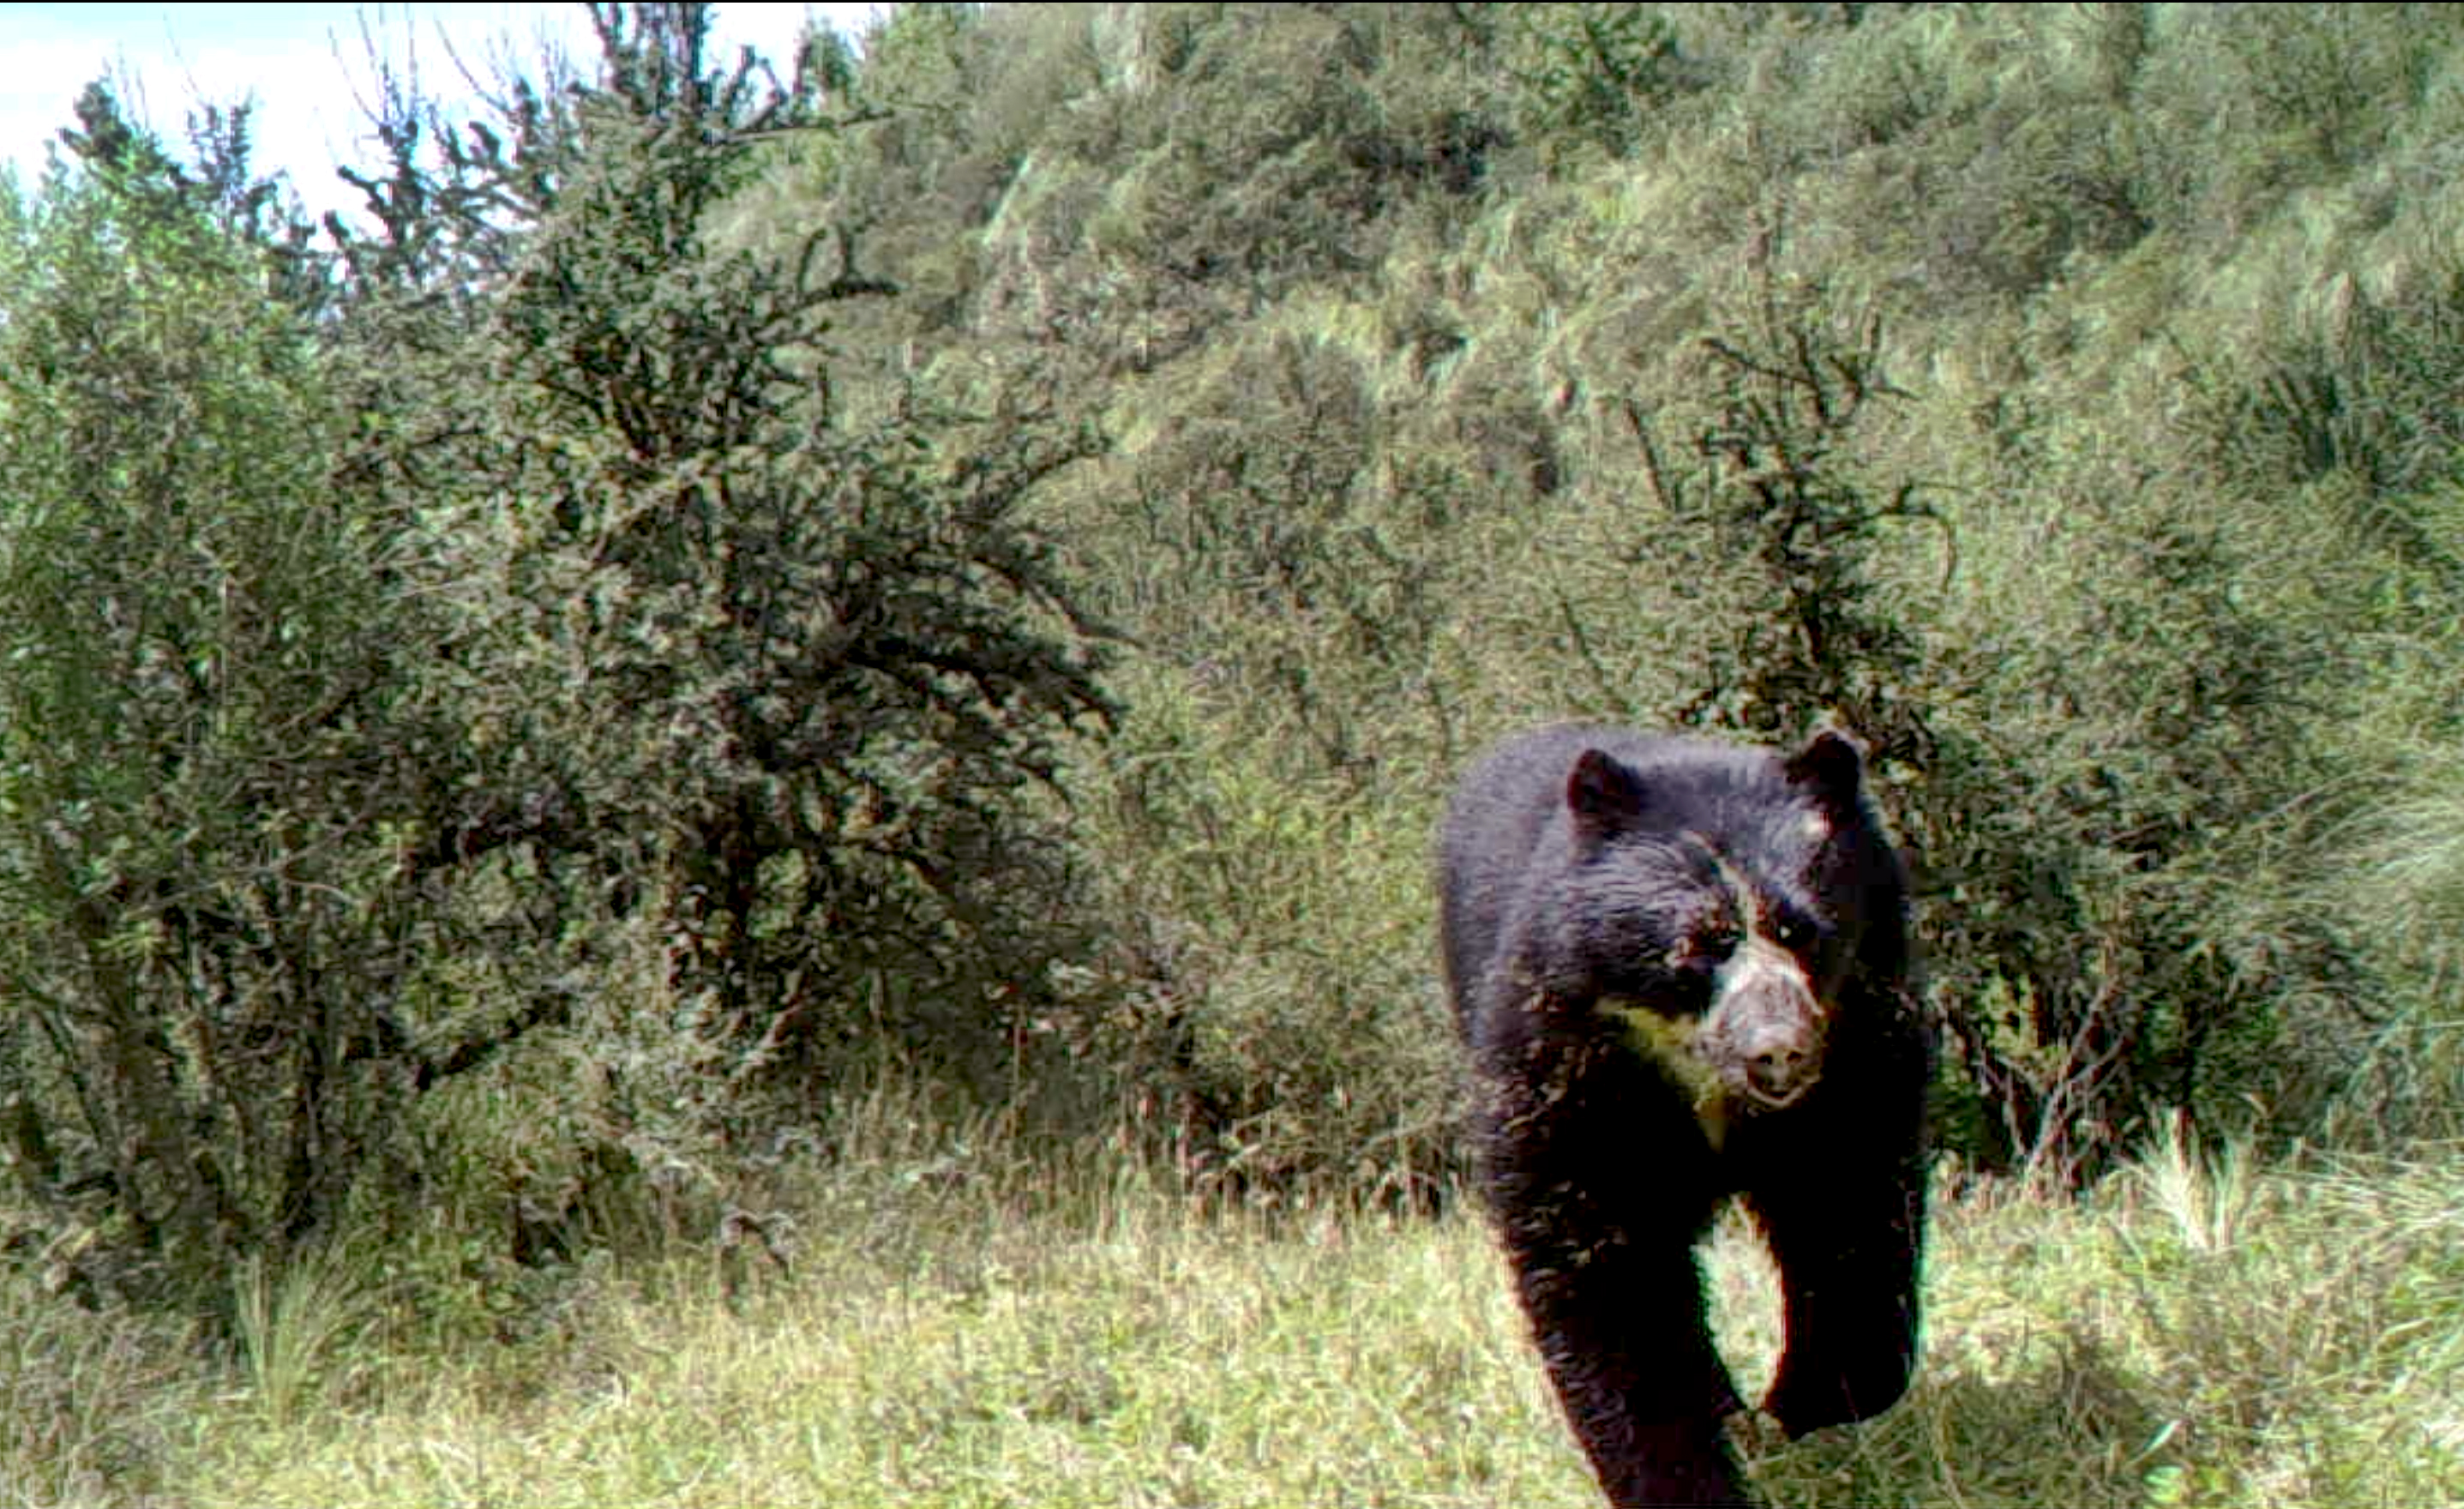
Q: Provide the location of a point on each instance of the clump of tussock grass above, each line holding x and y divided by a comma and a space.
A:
2311, 1348
2203, 1330
293, 1328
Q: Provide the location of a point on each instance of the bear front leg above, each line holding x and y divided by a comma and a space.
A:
1847, 1250
1621, 1326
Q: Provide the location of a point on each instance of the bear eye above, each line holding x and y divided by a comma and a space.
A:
1792, 933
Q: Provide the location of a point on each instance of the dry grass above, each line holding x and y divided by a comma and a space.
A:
1022, 1338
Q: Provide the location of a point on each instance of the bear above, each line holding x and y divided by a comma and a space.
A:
1681, 969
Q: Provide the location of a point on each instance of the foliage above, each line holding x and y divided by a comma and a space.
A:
1590, 73
983, 553
96, 1399
205, 750
713, 489
761, 678
1768, 545
1616, 439
532, 652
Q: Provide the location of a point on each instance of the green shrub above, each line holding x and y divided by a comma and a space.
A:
208, 750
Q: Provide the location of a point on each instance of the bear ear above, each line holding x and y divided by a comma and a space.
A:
1605, 797
1831, 768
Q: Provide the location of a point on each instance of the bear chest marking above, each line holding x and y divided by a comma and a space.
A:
1671, 1045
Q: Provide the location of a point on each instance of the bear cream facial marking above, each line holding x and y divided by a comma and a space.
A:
1744, 902
1763, 1036
1765, 1030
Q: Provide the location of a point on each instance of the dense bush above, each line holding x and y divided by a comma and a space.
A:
769, 679
209, 748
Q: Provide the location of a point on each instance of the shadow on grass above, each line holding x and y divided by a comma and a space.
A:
2061, 1425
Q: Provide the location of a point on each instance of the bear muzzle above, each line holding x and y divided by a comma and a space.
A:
1764, 1035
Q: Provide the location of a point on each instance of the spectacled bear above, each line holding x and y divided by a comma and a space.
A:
1682, 970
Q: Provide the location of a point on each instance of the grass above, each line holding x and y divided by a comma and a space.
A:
1150, 1355
987, 1331
967, 1320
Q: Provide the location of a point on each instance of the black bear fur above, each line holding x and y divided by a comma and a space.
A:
1608, 897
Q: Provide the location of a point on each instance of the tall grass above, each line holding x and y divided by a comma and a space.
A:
966, 1319
295, 1329
89, 1403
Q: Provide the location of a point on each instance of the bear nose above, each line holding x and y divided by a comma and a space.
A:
1777, 1067
1780, 1065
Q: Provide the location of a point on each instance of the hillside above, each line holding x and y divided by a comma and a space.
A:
2058, 396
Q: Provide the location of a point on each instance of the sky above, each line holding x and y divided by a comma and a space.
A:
303, 64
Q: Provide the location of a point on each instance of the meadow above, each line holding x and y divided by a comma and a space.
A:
957, 1318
